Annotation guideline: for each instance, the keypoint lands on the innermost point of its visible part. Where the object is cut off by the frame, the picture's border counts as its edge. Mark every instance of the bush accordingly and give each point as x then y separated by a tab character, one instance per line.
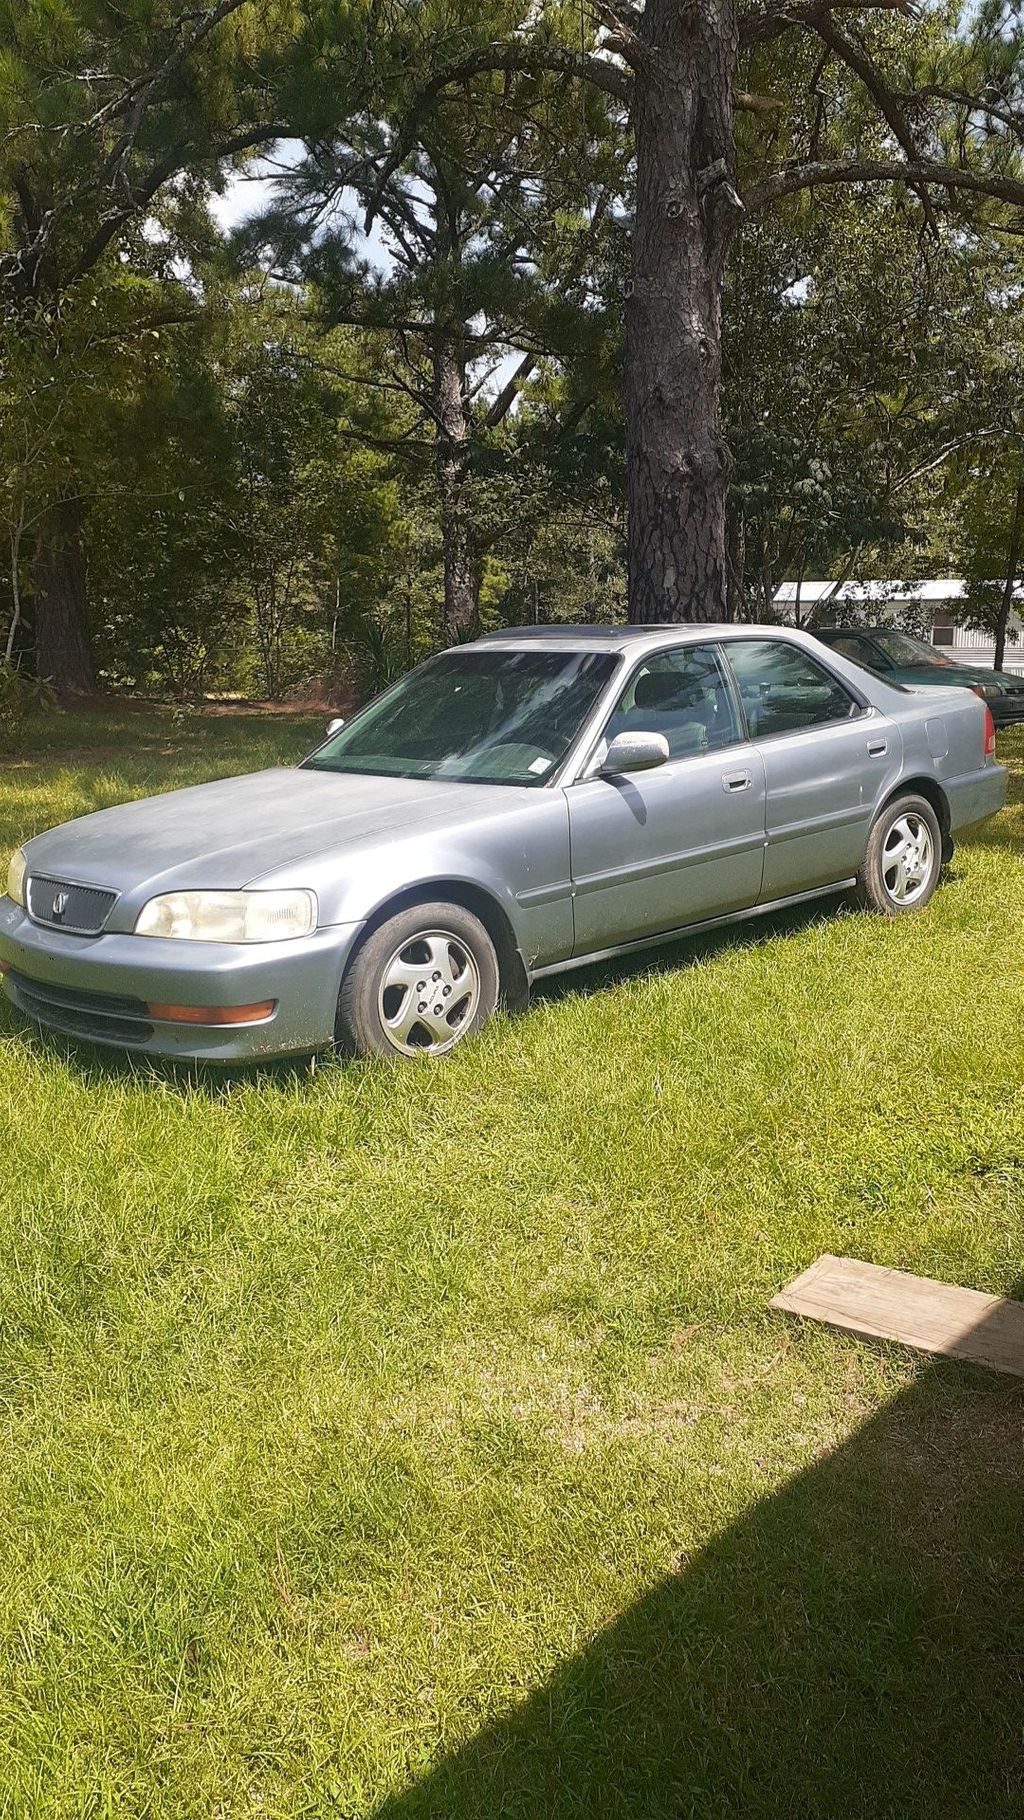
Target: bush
18	697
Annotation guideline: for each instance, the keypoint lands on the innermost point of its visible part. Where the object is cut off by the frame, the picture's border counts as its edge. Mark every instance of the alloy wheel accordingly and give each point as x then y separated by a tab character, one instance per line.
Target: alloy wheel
429	993
907	859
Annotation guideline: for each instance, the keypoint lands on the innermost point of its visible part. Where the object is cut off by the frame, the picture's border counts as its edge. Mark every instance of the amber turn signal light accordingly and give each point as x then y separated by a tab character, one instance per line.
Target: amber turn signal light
214	1014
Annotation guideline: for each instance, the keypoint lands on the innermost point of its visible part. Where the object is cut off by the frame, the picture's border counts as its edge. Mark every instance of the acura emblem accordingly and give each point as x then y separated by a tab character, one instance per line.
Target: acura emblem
60	904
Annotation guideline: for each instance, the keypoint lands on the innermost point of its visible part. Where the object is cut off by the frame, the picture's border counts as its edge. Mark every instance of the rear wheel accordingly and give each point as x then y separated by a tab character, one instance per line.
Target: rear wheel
903	860
422	982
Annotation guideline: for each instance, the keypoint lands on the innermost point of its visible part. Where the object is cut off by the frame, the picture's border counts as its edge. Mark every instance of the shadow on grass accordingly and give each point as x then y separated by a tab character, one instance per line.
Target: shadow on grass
687	950
850	1648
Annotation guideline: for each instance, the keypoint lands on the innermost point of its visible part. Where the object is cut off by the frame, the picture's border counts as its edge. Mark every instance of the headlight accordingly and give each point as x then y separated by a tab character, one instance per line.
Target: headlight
229	916
16	877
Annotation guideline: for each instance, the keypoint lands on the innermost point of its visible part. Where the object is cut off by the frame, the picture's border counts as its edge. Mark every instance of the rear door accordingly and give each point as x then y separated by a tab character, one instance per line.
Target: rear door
656	850
826	756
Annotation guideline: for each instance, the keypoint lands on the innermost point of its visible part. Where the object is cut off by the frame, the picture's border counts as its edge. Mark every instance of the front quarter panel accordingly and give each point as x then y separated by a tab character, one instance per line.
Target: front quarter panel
515	848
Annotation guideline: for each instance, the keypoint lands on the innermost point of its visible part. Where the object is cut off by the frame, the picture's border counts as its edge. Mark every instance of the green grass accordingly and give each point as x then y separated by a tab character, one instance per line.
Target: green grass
417	1440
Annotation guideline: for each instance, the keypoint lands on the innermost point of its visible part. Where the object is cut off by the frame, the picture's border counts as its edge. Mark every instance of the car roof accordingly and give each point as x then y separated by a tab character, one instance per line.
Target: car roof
629	638
854	631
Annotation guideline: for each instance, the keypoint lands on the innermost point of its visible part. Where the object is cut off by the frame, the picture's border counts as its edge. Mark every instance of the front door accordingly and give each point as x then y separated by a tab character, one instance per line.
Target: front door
657	850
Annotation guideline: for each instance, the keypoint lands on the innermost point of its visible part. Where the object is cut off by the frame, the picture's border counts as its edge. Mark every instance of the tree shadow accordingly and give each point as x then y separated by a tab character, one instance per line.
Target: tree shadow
686	950
851	1647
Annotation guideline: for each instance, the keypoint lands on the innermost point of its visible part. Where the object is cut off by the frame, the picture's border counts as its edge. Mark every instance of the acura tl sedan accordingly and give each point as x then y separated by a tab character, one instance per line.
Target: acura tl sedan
531	802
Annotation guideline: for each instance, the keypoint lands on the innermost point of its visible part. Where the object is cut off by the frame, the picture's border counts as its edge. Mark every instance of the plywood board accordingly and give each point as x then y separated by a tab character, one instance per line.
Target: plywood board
879	1304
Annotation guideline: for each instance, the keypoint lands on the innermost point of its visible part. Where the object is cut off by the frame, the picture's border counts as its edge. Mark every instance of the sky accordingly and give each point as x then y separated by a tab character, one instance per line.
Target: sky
248	192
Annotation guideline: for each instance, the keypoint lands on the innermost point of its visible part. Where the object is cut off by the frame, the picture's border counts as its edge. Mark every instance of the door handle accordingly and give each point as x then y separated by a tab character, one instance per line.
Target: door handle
877	748
735	780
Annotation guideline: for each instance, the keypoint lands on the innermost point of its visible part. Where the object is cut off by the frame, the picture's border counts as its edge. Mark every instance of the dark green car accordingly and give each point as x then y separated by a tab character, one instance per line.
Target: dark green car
899	658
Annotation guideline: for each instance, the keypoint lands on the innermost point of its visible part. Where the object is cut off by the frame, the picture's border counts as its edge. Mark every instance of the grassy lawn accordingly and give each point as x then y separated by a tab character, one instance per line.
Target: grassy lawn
416	1441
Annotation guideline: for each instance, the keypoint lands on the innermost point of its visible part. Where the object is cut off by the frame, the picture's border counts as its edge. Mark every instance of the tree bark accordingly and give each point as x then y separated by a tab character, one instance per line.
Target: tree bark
686	211
1013	560
451	428
62	646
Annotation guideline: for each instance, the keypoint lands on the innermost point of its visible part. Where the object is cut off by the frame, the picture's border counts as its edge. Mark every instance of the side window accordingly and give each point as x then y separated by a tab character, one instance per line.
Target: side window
783	689
683	694
859	651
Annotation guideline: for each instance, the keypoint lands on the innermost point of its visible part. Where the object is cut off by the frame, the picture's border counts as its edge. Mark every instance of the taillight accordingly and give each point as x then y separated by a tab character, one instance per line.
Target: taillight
990	733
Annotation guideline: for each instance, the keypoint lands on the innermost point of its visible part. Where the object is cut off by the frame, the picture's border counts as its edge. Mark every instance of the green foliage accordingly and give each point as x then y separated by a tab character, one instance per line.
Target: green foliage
314	505
268	490
103	105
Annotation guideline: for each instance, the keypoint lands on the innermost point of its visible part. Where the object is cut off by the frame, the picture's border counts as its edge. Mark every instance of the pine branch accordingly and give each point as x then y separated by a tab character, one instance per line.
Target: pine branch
764	24
863	66
513	59
139	96
990	103
794	178
502	404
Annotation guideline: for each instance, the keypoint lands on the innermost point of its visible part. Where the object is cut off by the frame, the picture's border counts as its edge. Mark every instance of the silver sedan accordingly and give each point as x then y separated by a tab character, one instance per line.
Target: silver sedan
531	802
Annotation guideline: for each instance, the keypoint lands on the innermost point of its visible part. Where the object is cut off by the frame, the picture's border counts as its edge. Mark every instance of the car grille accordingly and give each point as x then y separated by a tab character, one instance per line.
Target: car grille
99	1015
79	909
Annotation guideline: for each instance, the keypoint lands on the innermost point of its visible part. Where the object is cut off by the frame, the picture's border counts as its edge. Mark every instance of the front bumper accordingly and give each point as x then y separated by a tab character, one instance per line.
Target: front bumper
1009	712
98	988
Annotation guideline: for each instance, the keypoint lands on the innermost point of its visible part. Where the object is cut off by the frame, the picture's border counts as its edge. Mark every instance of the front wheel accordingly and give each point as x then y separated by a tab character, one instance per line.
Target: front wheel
903	859
420	983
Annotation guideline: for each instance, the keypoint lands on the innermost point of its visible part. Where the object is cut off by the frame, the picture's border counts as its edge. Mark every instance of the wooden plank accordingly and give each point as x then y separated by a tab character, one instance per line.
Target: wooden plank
879	1304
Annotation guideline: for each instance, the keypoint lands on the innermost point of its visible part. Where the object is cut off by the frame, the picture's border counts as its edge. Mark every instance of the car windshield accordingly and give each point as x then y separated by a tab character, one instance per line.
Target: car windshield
903	649
476	716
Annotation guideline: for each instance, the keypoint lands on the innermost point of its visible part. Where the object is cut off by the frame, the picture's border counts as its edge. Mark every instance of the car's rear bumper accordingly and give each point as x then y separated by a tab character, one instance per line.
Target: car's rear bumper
975	797
100	989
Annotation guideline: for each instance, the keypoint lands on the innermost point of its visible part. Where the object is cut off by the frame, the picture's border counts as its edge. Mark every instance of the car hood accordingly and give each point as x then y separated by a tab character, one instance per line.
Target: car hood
1003	679
221	836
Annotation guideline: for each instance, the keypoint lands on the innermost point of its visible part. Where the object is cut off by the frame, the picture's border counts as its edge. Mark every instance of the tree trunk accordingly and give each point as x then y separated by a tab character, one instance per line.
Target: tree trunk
736	534
1013	560
17	536
686	210
62	649
451	429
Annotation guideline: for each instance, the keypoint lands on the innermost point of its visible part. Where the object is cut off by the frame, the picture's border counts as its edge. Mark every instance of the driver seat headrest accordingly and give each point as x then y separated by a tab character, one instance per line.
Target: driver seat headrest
658	689
666	689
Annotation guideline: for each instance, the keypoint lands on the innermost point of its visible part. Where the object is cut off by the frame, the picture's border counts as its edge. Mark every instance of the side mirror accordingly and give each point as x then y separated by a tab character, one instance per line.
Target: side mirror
634	752
334	726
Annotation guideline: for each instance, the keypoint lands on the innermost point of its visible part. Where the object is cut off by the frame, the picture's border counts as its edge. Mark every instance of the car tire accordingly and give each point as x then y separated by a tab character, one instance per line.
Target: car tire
903	859
421	982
